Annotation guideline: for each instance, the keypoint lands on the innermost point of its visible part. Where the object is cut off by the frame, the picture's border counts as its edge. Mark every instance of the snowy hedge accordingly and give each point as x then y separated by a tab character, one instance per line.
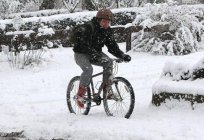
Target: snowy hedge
61	21
41	13
186	32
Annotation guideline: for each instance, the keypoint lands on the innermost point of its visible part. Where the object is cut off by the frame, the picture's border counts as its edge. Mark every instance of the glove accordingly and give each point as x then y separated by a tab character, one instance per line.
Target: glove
126	58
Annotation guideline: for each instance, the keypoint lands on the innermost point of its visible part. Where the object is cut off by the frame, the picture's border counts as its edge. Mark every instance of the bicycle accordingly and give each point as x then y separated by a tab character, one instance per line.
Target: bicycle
118	98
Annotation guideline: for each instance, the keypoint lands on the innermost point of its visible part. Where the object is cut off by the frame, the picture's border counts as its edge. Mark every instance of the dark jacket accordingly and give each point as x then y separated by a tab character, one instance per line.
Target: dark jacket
93	38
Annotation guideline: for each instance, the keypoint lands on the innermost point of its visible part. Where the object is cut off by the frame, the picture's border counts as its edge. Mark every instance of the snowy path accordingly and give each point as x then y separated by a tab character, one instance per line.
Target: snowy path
34	101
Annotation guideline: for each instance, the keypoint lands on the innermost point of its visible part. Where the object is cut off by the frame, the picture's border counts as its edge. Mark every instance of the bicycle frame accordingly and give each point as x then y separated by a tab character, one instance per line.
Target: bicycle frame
92	84
100	73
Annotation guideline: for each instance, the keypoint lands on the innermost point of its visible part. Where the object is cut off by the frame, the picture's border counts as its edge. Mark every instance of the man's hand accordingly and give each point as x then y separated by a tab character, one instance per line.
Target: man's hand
126	58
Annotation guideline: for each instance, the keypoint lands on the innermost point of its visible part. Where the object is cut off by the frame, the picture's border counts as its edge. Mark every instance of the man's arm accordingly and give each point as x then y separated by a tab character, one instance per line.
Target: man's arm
113	47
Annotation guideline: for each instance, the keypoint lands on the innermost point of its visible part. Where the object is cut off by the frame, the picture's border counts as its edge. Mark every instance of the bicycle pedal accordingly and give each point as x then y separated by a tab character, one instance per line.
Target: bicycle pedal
85	100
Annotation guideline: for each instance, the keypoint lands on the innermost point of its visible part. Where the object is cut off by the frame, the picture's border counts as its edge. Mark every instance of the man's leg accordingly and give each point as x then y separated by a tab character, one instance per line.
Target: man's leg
107	64
83	61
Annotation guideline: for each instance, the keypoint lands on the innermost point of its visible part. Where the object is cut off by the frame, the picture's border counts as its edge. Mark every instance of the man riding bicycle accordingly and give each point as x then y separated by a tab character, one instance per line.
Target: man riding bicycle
88	51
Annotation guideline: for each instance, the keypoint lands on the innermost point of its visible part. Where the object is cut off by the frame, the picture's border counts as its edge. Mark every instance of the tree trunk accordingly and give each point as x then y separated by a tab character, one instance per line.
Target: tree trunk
201	1
87	4
117	3
47	4
58	4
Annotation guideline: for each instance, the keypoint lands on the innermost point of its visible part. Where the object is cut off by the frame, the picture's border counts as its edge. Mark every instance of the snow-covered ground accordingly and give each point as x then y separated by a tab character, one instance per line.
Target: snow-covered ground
34	100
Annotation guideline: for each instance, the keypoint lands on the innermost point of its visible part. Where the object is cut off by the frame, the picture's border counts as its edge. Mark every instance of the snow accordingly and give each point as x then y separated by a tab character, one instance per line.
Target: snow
183	87
38	13
20	32
34	100
183	67
45	31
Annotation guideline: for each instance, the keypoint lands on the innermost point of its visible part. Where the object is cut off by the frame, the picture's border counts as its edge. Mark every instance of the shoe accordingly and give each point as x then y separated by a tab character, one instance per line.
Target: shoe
110	95
80	96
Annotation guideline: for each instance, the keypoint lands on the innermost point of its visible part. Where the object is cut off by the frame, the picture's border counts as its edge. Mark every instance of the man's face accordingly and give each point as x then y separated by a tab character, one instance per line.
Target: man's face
105	23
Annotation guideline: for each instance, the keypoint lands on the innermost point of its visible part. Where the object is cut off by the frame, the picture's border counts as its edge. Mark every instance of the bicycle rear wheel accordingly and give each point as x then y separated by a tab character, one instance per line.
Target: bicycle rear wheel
72	90
119	100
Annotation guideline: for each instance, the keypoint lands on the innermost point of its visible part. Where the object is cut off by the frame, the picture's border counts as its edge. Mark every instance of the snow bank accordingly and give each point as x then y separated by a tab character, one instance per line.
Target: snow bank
178	76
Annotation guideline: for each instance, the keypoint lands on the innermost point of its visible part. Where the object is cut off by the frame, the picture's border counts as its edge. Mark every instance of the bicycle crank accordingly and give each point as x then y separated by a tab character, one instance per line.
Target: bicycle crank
97	99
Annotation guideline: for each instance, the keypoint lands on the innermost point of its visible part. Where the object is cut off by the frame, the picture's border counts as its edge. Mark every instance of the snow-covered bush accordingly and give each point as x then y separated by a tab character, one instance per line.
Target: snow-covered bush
181	81
29	53
185	33
26	56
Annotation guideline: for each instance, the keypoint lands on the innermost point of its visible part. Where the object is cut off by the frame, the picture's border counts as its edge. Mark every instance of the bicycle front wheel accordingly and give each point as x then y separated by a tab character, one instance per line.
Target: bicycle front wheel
119	100
72	90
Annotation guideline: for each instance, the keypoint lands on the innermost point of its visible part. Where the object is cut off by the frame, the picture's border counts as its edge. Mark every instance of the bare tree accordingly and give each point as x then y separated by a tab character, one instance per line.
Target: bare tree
201	1
98	4
47	4
35	5
59	4
71	4
32	5
87	4
7	7
129	3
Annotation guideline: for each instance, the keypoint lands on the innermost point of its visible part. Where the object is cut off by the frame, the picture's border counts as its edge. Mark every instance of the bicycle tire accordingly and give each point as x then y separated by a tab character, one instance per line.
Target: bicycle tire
72	90
119	82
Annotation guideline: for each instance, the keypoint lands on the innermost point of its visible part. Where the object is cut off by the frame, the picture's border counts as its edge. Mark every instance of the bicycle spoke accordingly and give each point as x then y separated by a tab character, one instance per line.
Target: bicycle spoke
122	109
115	104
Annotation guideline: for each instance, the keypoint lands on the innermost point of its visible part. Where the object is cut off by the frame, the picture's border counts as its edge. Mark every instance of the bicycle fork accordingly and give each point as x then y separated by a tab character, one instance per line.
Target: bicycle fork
117	95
